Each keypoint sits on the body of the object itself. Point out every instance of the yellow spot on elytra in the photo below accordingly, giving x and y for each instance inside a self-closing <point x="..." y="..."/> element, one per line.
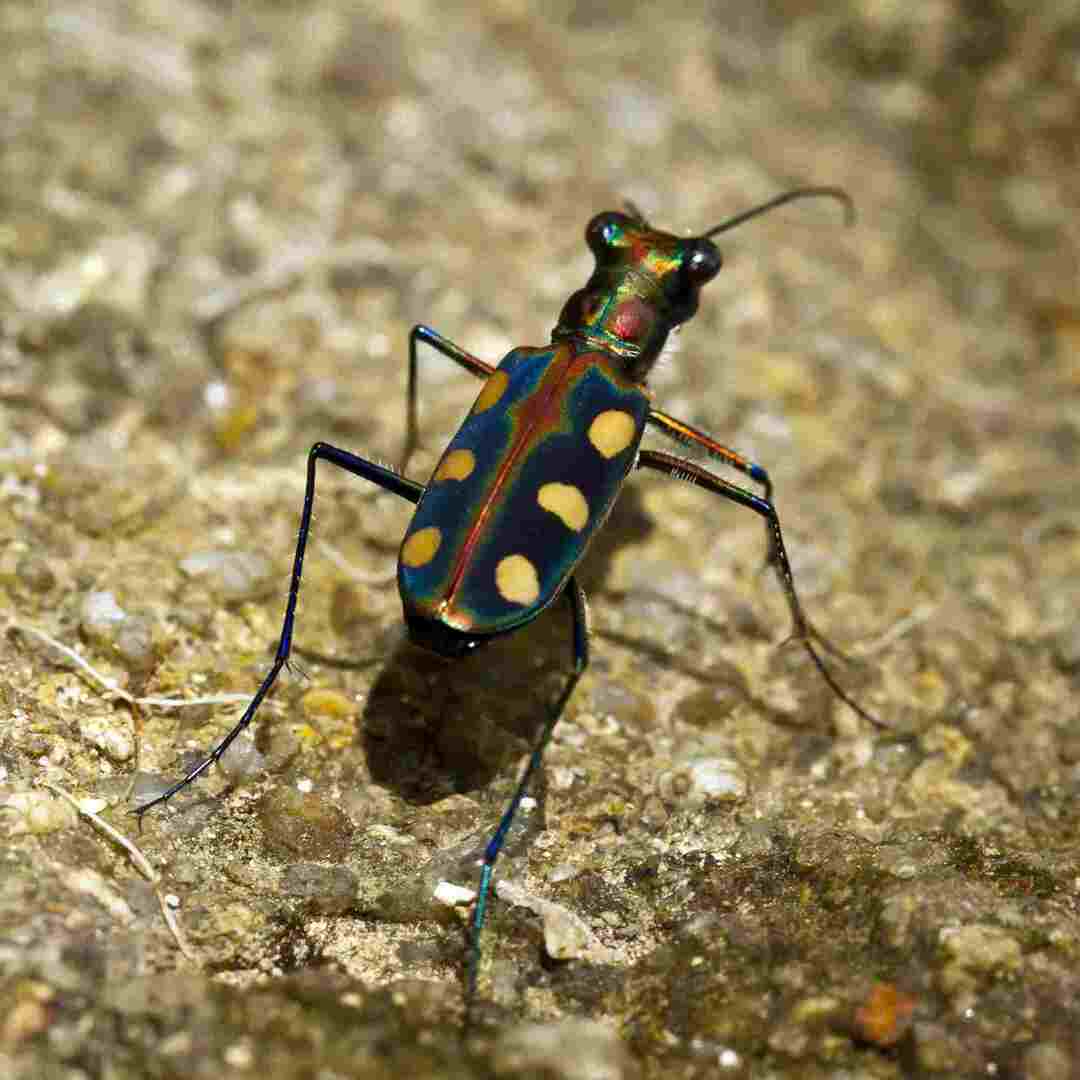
<point x="455" y="466"/>
<point x="612" y="432"/>
<point x="419" y="549"/>
<point x="494" y="389"/>
<point x="516" y="580"/>
<point x="566" y="502"/>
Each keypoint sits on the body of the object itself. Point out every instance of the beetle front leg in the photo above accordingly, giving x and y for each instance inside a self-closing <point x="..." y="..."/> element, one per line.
<point x="803" y="629"/>
<point x="470" y="363"/>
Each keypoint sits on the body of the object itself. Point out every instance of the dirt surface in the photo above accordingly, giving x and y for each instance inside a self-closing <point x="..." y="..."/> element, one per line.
<point x="217" y="225"/>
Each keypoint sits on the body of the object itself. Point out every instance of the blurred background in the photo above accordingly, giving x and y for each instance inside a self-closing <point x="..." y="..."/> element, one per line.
<point x="218" y="223"/>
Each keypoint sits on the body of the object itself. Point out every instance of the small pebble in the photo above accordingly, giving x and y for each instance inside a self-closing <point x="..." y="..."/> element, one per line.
<point x="453" y="895"/>
<point x="110" y="734"/>
<point x="35" y="812"/>
<point x="242" y="761"/>
<point x="134" y="643"/>
<point x="328" y="890"/>
<point x="35" y="573"/>
<point x="130" y="636"/>
<point x="326" y="703"/>
<point x="563" y="1050"/>
<point x="701" y="779"/>
<point x="885" y="1015"/>
<point x="562" y="872"/>
<point x="308" y="825"/>
<point x="980" y="947"/>
<point x="566" y="935"/>
<point x="232" y="575"/>
<point x="100" y="614"/>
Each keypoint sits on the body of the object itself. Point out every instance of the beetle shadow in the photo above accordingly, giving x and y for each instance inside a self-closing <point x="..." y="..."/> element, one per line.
<point x="628" y="523"/>
<point x="431" y="727"/>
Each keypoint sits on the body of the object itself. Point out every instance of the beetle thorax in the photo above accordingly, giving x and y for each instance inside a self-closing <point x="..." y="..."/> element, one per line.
<point x="620" y="317"/>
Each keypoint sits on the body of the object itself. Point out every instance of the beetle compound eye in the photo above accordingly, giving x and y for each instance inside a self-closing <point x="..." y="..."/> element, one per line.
<point x="703" y="264"/>
<point x="607" y="231"/>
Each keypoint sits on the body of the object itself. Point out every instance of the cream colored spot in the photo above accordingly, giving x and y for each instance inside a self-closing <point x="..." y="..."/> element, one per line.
<point x="494" y="389"/>
<point x="612" y="432"/>
<point x="419" y="549"/>
<point x="566" y="502"/>
<point x="516" y="580"/>
<point x="457" y="465"/>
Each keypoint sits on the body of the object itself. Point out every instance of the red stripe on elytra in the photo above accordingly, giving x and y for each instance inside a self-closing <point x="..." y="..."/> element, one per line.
<point x="532" y="417"/>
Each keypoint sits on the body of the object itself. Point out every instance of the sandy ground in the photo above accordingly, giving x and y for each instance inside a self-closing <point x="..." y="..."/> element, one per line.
<point x="217" y="225"/>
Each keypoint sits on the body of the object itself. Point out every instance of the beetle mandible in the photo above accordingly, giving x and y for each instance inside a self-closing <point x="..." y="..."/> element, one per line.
<point x="535" y="468"/>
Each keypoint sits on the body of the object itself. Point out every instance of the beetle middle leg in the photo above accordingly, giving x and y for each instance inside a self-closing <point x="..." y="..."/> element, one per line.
<point x="449" y="349"/>
<point x="802" y="629"/>
<point x="691" y="436"/>
<point x="683" y="432"/>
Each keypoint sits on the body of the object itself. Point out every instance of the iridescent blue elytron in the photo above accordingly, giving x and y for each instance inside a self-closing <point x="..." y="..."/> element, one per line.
<point x="504" y="530"/>
<point x="535" y="468"/>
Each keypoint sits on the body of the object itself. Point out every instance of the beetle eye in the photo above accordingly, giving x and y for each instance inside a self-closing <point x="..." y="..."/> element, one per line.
<point x="607" y="231"/>
<point x="704" y="263"/>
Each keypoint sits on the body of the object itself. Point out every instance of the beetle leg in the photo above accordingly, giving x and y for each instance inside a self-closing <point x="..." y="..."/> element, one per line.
<point x="692" y="436"/>
<point x="358" y="466"/>
<point x="580" y="615"/>
<point x="470" y="363"/>
<point x="802" y="629"/>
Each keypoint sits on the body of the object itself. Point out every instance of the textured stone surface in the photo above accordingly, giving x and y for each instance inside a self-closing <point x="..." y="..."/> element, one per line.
<point x="218" y="224"/>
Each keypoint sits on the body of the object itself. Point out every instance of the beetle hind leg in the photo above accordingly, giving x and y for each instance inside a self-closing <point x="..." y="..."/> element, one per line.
<point x="358" y="466"/>
<point x="580" y="616"/>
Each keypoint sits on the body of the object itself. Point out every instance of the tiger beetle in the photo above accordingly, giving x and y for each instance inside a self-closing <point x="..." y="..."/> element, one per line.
<point x="533" y="472"/>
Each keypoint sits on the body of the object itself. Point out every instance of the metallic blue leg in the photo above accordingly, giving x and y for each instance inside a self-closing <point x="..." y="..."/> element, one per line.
<point x="358" y="466"/>
<point x="803" y="629"/>
<point x="579" y="614"/>
<point x="682" y="432"/>
<point x="470" y="363"/>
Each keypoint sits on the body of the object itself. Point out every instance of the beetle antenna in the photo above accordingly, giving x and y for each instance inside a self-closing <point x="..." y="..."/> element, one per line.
<point x="839" y="194"/>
